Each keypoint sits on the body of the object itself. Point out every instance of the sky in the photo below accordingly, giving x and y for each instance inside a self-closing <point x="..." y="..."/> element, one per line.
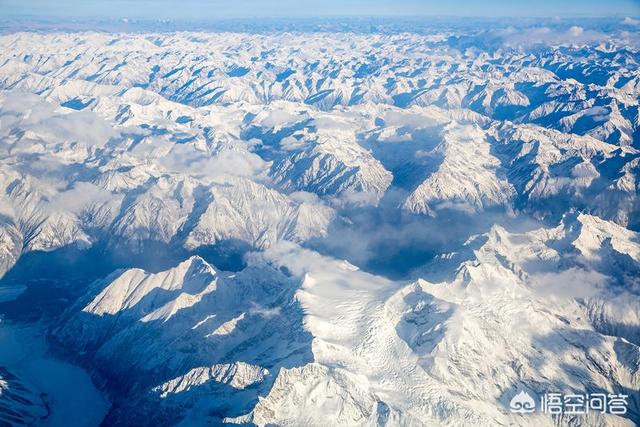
<point x="220" y="9"/>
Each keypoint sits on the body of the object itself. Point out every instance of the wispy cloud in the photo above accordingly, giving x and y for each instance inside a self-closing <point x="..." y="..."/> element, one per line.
<point x="631" y="21"/>
<point x="513" y="37"/>
<point x="571" y="283"/>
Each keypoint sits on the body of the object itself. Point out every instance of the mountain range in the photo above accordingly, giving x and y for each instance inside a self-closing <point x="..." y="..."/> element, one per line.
<point x="323" y="227"/>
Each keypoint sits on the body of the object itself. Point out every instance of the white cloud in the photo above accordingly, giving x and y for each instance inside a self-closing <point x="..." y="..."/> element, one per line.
<point x="23" y="111"/>
<point x="184" y="158"/>
<point x="304" y="197"/>
<point x="279" y="118"/>
<point x="550" y="36"/>
<point x="82" y="194"/>
<point x="571" y="283"/>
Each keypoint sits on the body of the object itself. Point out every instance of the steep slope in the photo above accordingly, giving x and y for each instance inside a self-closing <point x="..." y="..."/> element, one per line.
<point x="318" y="153"/>
<point x="175" y="155"/>
<point x="361" y="349"/>
<point x="389" y="353"/>
<point x="185" y="331"/>
<point x="129" y="187"/>
<point x="468" y="179"/>
<point x="20" y="404"/>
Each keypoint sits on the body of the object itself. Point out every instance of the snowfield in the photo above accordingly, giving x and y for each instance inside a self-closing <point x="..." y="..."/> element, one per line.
<point x="319" y="228"/>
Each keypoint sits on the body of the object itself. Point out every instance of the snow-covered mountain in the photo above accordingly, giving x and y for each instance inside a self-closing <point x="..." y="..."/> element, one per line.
<point x="324" y="228"/>
<point x="328" y="343"/>
<point x="20" y="403"/>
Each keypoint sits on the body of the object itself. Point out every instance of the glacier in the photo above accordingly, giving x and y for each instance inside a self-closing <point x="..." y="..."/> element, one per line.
<point x="308" y="224"/>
